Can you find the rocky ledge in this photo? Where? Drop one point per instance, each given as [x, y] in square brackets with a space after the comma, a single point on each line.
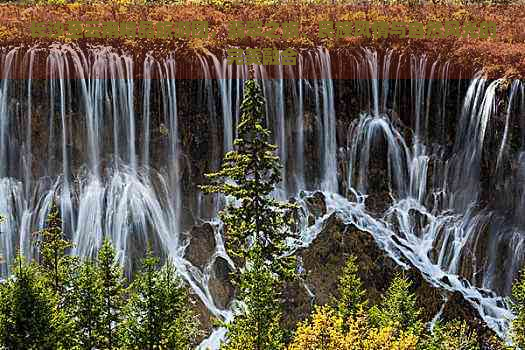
[323, 261]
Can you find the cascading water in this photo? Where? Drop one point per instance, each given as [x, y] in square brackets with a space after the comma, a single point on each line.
[122, 158]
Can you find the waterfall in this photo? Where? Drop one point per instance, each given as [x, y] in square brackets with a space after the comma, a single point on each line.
[299, 153]
[329, 149]
[417, 160]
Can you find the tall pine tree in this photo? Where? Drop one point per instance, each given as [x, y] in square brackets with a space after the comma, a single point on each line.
[57, 267]
[256, 227]
[258, 326]
[158, 312]
[112, 283]
[250, 173]
[53, 248]
[86, 305]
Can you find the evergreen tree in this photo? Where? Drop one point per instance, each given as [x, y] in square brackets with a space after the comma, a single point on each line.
[258, 327]
[57, 268]
[398, 308]
[517, 302]
[112, 282]
[26, 310]
[250, 173]
[158, 313]
[351, 298]
[53, 247]
[86, 305]
[256, 228]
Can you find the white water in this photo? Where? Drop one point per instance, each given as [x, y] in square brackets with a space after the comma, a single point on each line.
[114, 153]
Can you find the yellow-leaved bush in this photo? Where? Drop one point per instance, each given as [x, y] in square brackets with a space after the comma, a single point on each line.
[395, 323]
[325, 331]
[388, 338]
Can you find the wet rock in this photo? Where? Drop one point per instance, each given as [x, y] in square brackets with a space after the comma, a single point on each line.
[222, 292]
[202, 245]
[220, 286]
[481, 247]
[297, 303]
[312, 133]
[429, 298]
[446, 280]
[419, 220]
[457, 308]
[378, 202]
[341, 131]
[316, 206]
[324, 259]
[352, 196]
[377, 176]
[206, 319]
[433, 254]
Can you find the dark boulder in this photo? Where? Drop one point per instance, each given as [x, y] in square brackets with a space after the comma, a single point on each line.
[201, 246]
[219, 284]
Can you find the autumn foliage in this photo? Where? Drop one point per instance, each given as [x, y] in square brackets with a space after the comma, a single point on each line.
[501, 56]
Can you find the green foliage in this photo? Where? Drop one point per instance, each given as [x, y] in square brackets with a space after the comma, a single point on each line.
[256, 228]
[398, 308]
[64, 336]
[112, 281]
[92, 307]
[86, 304]
[59, 303]
[53, 247]
[158, 313]
[26, 310]
[518, 307]
[394, 324]
[56, 268]
[452, 335]
[351, 297]
[250, 174]
[258, 327]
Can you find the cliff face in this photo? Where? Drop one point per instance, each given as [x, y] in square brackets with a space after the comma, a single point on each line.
[146, 123]
[321, 265]
[418, 137]
[431, 169]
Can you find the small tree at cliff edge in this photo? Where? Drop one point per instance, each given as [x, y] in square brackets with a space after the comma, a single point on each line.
[256, 227]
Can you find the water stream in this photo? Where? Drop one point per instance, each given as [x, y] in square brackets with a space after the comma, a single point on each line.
[433, 166]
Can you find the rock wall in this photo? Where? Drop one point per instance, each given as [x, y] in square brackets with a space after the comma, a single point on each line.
[321, 265]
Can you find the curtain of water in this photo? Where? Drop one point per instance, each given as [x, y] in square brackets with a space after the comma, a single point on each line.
[113, 152]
